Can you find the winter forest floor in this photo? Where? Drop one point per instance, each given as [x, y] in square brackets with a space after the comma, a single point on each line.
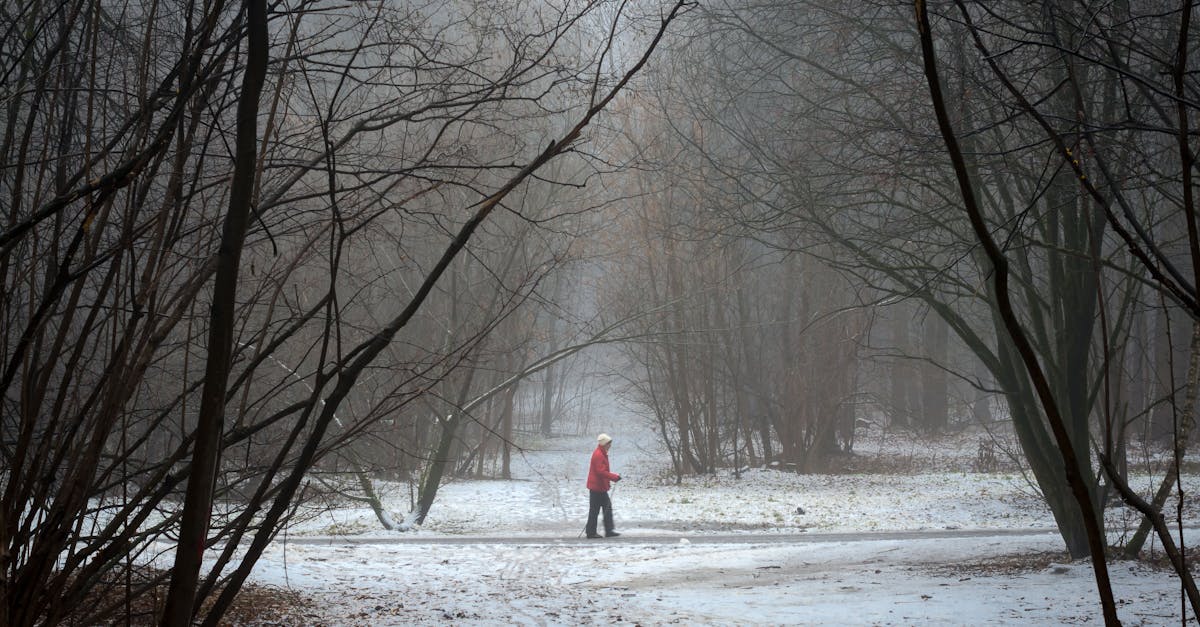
[911, 534]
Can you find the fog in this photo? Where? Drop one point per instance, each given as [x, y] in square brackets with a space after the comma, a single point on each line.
[260, 258]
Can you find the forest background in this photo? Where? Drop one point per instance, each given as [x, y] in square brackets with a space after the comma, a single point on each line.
[254, 252]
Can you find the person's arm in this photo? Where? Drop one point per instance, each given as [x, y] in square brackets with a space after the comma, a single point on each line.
[600, 467]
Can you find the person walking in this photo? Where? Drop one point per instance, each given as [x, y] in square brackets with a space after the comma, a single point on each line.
[598, 480]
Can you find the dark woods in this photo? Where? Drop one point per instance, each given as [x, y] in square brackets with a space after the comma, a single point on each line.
[247, 265]
[230, 261]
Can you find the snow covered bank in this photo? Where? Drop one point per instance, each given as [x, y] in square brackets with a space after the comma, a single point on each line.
[549, 497]
[656, 575]
[884, 582]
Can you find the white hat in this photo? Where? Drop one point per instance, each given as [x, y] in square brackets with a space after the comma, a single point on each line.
[603, 438]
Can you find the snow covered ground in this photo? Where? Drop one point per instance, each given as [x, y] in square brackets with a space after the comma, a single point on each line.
[936, 545]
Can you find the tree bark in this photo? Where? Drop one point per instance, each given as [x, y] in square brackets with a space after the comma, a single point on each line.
[1186, 422]
[197, 506]
[902, 382]
[935, 387]
[1066, 447]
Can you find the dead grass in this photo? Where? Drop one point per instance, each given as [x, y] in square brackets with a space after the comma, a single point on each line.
[1004, 565]
[254, 606]
[1023, 563]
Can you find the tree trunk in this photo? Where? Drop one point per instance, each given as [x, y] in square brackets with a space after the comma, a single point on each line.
[1169, 360]
[981, 404]
[678, 364]
[759, 410]
[902, 381]
[431, 479]
[506, 432]
[935, 386]
[193, 533]
[1185, 424]
[1075, 468]
[368, 488]
[549, 384]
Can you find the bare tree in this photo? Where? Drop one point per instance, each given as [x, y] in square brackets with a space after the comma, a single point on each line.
[413, 122]
[198, 498]
[818, 130]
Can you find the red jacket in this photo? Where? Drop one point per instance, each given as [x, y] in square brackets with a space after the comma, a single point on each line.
[598, 473]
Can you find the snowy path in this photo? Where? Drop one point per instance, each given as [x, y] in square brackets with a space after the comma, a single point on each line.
[940, 546]
[666, 538]
[935, 577]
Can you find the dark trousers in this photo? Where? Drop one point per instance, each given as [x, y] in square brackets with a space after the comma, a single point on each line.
[596, 502]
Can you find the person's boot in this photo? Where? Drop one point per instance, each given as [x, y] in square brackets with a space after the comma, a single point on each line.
[610, 534]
